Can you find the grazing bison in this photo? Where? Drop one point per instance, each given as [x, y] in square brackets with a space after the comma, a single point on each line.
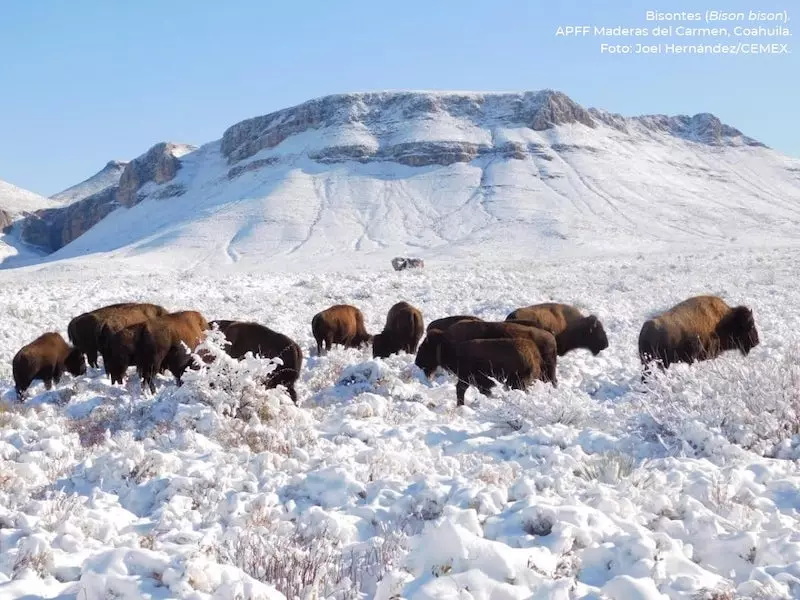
[262, 341]
[403, 330]
[697, 329]
[339, 324]
[45, 358]
[155, 345]
[84, 331]
[222, 324]
[515, 361]
[571, 328]
[444, 323]
[400, 264]
[474, 330]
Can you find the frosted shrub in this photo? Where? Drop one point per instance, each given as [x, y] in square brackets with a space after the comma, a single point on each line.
[227, 384]
[753, 405]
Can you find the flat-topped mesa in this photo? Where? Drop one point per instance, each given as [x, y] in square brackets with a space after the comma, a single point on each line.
[384, 113]
[379, 125]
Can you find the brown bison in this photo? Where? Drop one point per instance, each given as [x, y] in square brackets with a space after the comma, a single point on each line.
[516, 361]
[84, 331]
[262, 341]
[403, 330]
[697, 329]
[155, 345]
[222, 324]
[571, 328]
[45, 358]
[444, 323]
[339, 324]
[474, 330]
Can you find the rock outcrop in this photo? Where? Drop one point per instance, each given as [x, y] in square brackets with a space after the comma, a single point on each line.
[52, 228]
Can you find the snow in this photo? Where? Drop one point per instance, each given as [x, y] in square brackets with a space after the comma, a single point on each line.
[108, 176]
[15, 200]
[377, 484]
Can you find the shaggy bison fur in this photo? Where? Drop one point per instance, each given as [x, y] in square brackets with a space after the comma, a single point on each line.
[516, 361]
[262, 341]
[571, 328]
[339, 324]
[155, 345]
[474, 330]
[699, 328]
[403, 330]
[222, 324]
[45, 358]
[444, 323]
[86, 330]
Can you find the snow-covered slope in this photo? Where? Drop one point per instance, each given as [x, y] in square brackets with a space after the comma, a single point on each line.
[361, 177]
[16, 201]
[107, 177]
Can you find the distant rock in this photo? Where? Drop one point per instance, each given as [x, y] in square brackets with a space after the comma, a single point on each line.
[107, 177]
[53, 228]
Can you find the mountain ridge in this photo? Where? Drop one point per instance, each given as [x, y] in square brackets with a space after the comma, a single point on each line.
[364, 173]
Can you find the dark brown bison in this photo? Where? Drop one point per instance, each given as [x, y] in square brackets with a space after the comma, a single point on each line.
[571, 328]
[444, 323]
[222, 324]
[699, 328]
[45, 358]
[474, 330]
[339, 324]
[516, 361]
[403, 330]
[85, 330]
[155, 345]
[262, 341]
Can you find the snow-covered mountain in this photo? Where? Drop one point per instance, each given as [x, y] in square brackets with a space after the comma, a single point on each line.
[360, 177]
[15, 201]
[105, 178]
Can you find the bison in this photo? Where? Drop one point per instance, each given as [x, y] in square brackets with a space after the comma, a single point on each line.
[697, 329]
[155, 345]
[84, 331]
[262, 341]
[444, 323]
[472, 330]
[400, 263]
[515, 361]
[339, 324]
[221, 324]
[570, 327]
[45, 358]
[403, 330]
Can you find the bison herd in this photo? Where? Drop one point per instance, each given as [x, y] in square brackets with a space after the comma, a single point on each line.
[523, 348]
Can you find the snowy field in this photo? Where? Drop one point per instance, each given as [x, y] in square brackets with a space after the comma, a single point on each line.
[377, 486]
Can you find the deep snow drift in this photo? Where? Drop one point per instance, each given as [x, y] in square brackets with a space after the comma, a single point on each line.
[377, 484]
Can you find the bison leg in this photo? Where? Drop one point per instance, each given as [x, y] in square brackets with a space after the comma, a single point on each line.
[91, 357]
[48, 383]
[292, 392]
[461, 390]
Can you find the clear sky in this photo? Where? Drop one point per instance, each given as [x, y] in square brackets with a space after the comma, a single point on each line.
[86, 81]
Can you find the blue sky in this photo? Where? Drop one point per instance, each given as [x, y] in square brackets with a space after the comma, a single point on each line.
[87, 81]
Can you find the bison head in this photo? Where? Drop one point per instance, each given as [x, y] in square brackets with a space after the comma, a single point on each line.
[381, 345]
[739, 330]
[429, 353]
[75, 362]
[598, 341]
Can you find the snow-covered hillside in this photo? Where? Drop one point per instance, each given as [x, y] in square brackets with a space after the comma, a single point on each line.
[106, 177]
[376, 484]
[15, 202]
[368, 176]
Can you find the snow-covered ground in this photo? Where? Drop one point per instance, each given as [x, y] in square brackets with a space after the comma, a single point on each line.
[376, 484]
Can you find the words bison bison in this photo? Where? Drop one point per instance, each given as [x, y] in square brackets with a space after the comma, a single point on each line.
[571, 328]
[85, 330]
[444, 323]
[340, 324]
[474, 330]
[699, 328]
[262, 341]
[515, 361]
[403, 330]
[155, 345]
[45, 358]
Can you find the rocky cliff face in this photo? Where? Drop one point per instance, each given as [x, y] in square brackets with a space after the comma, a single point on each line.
[53, 228]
